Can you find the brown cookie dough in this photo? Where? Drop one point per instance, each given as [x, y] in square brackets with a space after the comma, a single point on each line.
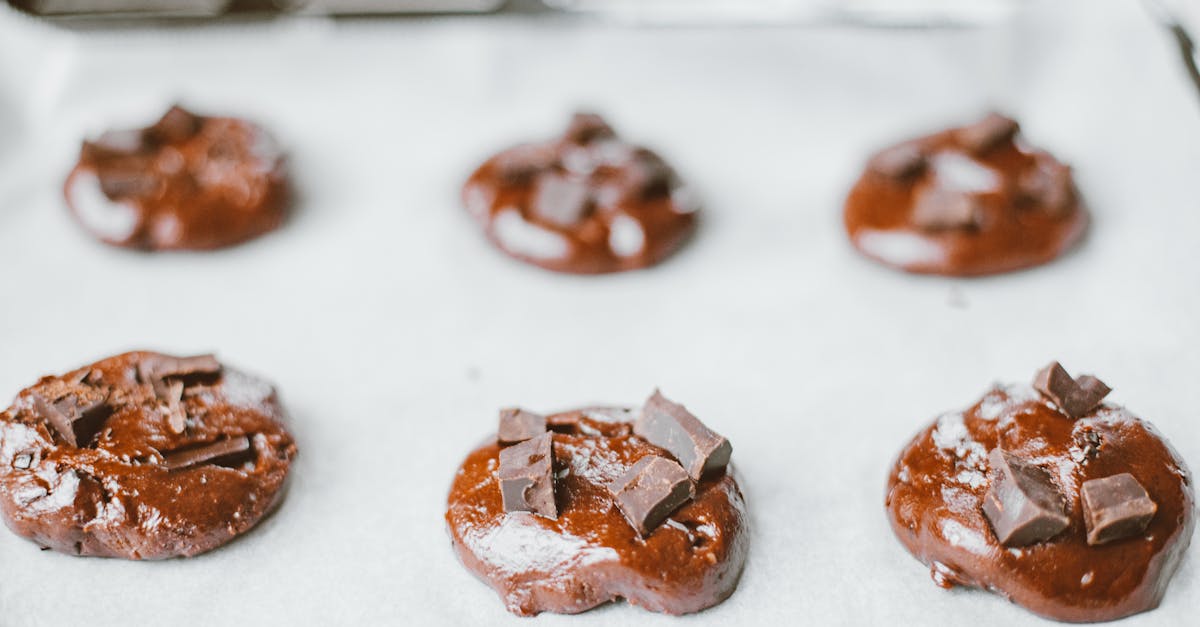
[142, 456]
[613, 516]
[1076, 519]
[188, 182]
[964, 202]
[584, 203]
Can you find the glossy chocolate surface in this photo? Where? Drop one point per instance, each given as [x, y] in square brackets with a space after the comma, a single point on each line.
[1019, 217]
[584, 203]
[591, 555]
[140, 488]
[936, 489]
[186, 183]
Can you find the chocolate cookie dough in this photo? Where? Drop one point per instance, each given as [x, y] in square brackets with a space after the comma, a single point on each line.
[142, 456]
[1068, 506]
[187, 182]
[589, 510]
[585, 202]
[963, 202]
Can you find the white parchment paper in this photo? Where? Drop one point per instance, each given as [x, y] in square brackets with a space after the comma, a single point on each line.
[395, 332]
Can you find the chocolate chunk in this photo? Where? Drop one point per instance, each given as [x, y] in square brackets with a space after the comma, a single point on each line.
[671, 426]
[561, 200]
[231, 453]
[75, 421]
[899, 162]
[190, 370]
[23, 461]
[176, 125]
[121, 143]
[176, 415]
[527, 477]
[586, 128]
[938, 209]
[1115, 507]
[117, 184]
[650, 490]
[1074, 397]
[518, 425]
[1022, 504]
[1048, 184]
[518, 165]
[987, 133]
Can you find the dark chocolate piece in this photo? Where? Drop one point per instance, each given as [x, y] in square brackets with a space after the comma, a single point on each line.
[986, 134]
[671, 426]
[1074, 397]
[650, 490]
[1048, 184]
[1115, 507]
[115, 143]
[586, 128]
[232, 452]
[176, 415]
[1023, 505]
[117, 184]
[518, 425]
[938, 209]
[176, 125]
[561, 200]
[189, 370]
[74, 421]
[900, 162]
[526, 477]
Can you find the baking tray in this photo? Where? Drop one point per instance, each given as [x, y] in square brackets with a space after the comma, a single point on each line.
[394, 332]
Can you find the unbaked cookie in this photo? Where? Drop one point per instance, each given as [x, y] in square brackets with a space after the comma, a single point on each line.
[565, 512]
[586, 202]
[187, 182]
[1068, 506]
[963, 202]
[142, 456]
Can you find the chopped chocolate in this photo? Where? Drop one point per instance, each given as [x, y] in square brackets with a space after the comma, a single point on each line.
[176, 125]
[937, 208]
[1087, 445]
[176, 415]
[671, 426]
[23, 461]
[75, 421]
[1074, 397]
[527, 477]
[114, 144]
[518, 165]
[650, 490]
[232, 453]
[899, 162]
[196, 370]
[561, 200]
[518, 425]
[117, 184]
[1023, 505]
[586, 128]
[987, 133]
[1047, 184]
[1115, 507]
